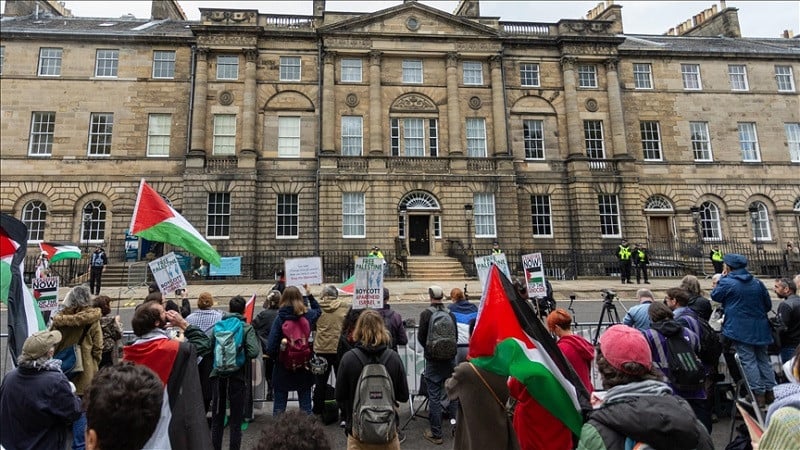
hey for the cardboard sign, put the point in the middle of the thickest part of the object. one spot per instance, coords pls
(534, 275)
(300, 271)
(45, 291)
(167, 273)
(484, 263)
(368, 292)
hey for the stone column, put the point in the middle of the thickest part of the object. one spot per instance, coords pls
(574, 128)
(453, 106)
(620, 147)
(328, 103)
(498, 106)
(249, 102)
(199, 118)
(375, 108)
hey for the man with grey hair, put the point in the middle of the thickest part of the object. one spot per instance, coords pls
(789, 313)
(637, 316)
(37, 402)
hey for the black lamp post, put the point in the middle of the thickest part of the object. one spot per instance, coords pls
(87, 220)
(468, 216)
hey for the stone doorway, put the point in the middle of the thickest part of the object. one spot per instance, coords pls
(419, 243)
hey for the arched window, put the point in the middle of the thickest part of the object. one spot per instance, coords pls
(419, 201)
(759, 218)
(34, 216)
(710, 226)
(93, 225)
(657, 203)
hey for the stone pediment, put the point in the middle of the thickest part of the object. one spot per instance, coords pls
(411, 19)
(413, 102)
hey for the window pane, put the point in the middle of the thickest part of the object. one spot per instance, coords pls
(701, 145)
(433, 137)
(50, 62)
(748, 142)
(609, 215)
(533, 138)
(709, 222)
(587, 76)
(290, 68)
(34, 216)
(476, 137)
(288, 217)
(93, 226)
(101, 128)
(43, 126)
(163, 64)
(484, 214)
(690, 73)
(738, 76)
(529, 74)
(760, 224)
(227, 67)
(593, 139)
(351, 70)
(651, 140)
(412, 71)
(473, 72)
(642, 76)
(784, 78)
(224, 134)
(352, 135)
(2, 57)
(288, 136)
(218, 216)
(158, 134)
(793, 140)
(353, 214)
(106, 64)
(414, 137)
(540, 215)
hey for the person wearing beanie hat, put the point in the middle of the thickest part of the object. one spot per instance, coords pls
(393, 322)
(746, 301)
(326, 341)
(638, 404)
(37, 402)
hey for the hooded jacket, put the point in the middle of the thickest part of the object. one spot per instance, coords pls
(701, 306)
(580, 353)
(746, 302)
(329, 324)
(283, 379)
(465, 314)
(71, 325)
(657, 339)
(394, 323)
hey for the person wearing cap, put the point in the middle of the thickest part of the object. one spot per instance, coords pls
(746, 301)
(436, 371)
(393, 322)
(97, 265)
(715, 255)
(37, 402)
(496, 250)
(637, 405)
(641, 259)
(624, 254)
(375, 253)
(326, 341)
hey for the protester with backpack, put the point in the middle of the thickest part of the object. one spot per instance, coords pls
(438, 335)
(289, 346)
(326, 342)
(234, 343)
(370, 385)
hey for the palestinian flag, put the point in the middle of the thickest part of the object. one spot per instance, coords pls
(348, 287)
(510, 341)
(56, 251)
(154, 220)
(24, 316)
(249, 309)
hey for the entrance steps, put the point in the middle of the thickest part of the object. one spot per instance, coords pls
(435, 268)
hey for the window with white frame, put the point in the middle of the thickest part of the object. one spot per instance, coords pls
(159, 128)
(484, 214)
(529, 74)
(737, 73)
(710, 224)
(101, 128)
(94, 229)
(218, 215)
(593, 139)
(760, 223)
(748, 142)
(473, 72)
(642, 76)
(412, 71)
(288, 137)
(476, 137)
(164, 64)
(657, 203)
(793, 140)
(106, 63)
(43, 129)
(437, 227)
(287, 217)
(690, 74)
(352, 135)
(533, 138)
(353, 215)
(541, 217)
(290, 68)
(408, 137)
(785, 78)
(401, 226)
(224, 134)
(351, 70)
(608, 205)
(34, 216)
(50, 62)
(2, 57)
(651, 140)
(227, 67)
(701, 142)
(587, 76)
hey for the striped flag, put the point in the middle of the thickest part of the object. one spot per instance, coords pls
(57, 251)
(24, 316)
(348, 287)
(249, 309)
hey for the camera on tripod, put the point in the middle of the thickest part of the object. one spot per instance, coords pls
(608, 295)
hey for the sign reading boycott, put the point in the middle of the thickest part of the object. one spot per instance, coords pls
(167, 273)
(368, 291)
(300, 271)
(484, 263)
(45, 291)
(534, 275)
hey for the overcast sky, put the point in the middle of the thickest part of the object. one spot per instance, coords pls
(756, 18)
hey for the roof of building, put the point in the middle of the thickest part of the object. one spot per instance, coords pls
(716, 44)
(123, 26)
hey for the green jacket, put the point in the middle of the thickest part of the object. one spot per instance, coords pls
(204, 344)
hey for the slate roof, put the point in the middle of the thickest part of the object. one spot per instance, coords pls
(717, 44)
(111, 27)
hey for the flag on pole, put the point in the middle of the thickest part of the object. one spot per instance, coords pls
(249, 309)
(24, 316)
(154, 220)
(57, 251)
(348, 287)
(510, 340)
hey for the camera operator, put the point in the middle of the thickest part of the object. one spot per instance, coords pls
(637, 316)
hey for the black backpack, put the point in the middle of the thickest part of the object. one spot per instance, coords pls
(685, 369)
(710, 344)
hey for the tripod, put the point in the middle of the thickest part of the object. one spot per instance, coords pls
(609, 312)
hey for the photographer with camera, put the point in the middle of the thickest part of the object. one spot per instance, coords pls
(637, 317)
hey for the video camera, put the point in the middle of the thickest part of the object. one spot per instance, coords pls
(608, 295)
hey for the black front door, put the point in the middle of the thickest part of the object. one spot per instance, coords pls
(418, 243)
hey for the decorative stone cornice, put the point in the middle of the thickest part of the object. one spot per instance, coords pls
(228, 40)
(413, 103)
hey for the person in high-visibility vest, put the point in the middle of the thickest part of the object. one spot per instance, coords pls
(624, 254)
(641, 259)
(716, 258)
(496, 248)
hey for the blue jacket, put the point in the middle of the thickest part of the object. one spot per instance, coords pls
(465, 314)
(746, 302)
(283, 379)
(637, 317)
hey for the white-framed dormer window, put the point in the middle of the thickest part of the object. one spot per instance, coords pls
(106, 63)
(587, 76)
(159, 128)
(529, 74)
(288, 137)
(608, 207)
(793, 140)
(642, 76)
(473, 72)
(701, 142)
(737, 74)
(690, 74)
(224, 134)
(287, 217)
(227, 67)
(354, 222)
(50, 62)
(290, 69)
(352, 135)
(484, 211)
(476, 137)
(351, 70)
(748, 142)
(785, 78)
(412, 71)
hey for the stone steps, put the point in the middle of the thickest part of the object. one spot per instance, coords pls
(434, 268)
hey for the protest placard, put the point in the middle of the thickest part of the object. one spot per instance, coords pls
(167, 273)
(484, 263)
(534, 275)
(369, 283)
(300, 271)
(45, 291)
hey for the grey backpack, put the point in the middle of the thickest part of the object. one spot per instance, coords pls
(442, 341)
(374, 413)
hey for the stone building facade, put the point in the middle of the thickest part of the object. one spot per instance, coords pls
(340, 131)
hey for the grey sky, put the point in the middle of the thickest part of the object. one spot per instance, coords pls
(757, 18)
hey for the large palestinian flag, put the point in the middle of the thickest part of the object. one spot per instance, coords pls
(57, 251)
(510, 341)
(154, 220)
(24, 316)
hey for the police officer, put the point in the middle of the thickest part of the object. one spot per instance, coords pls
(716, 258)
(624, 255)
(496, 248)
(641, 259)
